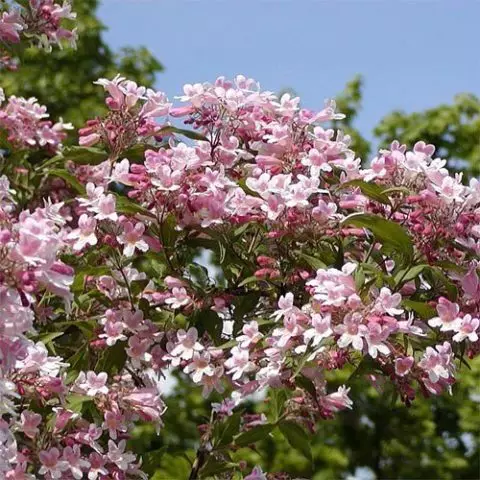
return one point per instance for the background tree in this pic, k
(453, 128)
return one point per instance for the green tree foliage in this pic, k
(349, 102)
(453, 128)
(63, 79)
(434, 438)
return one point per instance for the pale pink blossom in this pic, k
(92, 384)
(132, 238)
(179, 298)
(29, 423)
(448, 316)
(467, 329)
(403, 365)
(200, 365)
(51, 463)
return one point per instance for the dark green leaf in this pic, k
(180, 131)
(389, 233)
(113, 359)
(85, 155)
(278, 400)
(314, 262)
(256, 434)
(77, 402)
(409, 273)
(208, 321)
(371, 190)
(69, 178)
(424, 310)
(296, 437)
(224, 431)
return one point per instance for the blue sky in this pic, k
(412, 54)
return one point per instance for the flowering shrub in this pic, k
(324, 265)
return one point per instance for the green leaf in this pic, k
(69, 178)
(407, 274)
(424, 310)
(370, 190)
(314, 262)
(79, 279)
(199, 274)
(47, 338)
(152, 264)
(278, 399)
(113, 359)
(224, 431)
(180, 131)
(208, 321)
(77, 402)
(243, 305)
(214, 466)
(260, 432)
(78, 361)
(85, 155)
(127, 206)
(152, 460)
(136, 154)
(296, 437)
(389, 233)
(252, 279)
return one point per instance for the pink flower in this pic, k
(403, 365)
(213, 382)
(89, 140)
(76, 464)
(387, 302)
(334, 287)
(92, 383)
(324, 211)
(114, 422)
(256, 474)
(132, 238)
(97, 466)
(448, 316)
(113, 332)
(186, 345)
(321, 328)
(251, 335)
(138, 349)
(285, 307)
(146, 402)
(51, 463)
(105, 208)
(437, 363)
(117, 455)
(179, 298)
(11, 24)
(200, 366)
(291, 329)
(351, 331)
(239, 363)
(29, 423)
(375, 337)
(85, 233)
(467, 329)
(337, 401)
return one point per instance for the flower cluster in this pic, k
(323, 265)
(27, 124)
(132, 113)
(43, 20)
